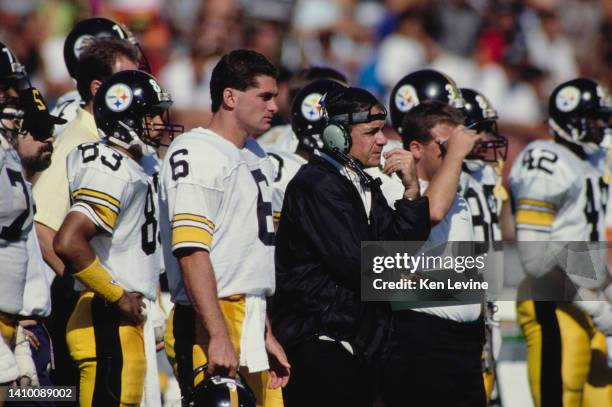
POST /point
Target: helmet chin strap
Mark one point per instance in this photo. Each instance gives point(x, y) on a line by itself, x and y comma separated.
point(135, 140)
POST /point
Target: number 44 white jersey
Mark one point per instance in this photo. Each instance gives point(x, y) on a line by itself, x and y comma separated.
point(217, 197)
point(559, 191)
point(115, 193)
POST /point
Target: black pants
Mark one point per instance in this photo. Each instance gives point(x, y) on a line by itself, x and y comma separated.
point(433, 362)
point(323, 374)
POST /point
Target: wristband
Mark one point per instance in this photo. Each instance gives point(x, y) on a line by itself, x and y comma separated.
point(96, 278)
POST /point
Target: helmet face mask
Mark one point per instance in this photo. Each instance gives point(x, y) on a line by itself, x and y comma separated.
point(482, 117)
point(494, 146)
point(13, 77)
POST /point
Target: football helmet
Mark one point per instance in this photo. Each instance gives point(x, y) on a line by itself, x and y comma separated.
point(307, 119)
point(86, 30)
point(217, 391)
point(13, 78)
point(482, 117)
point(426, 84)
point(579, 111)
point(124, 106)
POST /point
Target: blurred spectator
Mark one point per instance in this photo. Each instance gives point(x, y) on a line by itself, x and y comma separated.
point(459, 25)
point(550, 50)
point(405, 50)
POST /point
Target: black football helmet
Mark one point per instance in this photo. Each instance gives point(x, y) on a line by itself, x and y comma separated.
point(482, 117)
point(426, 84)
point(123, 105)
point(575, 107)
point(217, 391)
point(86, 30)
point(307, 119)
point(13, 79)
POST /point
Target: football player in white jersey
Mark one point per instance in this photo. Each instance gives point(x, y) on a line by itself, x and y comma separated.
point(434, 133)
point(480, 185)
point(559, 194)
point(283, 138)
point(81, 35)
point(307, 124)
point(218, 236)
point(478, 181)
point(109, 239)
point(34, 147)
point(16, 204)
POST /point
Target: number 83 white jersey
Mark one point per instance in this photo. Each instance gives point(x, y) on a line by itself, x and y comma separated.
point(116, 194)
point(216, 197)
point(559, 191)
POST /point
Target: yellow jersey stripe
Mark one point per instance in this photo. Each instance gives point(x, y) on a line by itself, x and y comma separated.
point(196, 218)
point(535, 202)
point(534, 217)
point(182, 234)
point(96, 194)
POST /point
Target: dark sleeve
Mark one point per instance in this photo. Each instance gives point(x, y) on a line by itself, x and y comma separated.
point(319, 239)
point(408, 222)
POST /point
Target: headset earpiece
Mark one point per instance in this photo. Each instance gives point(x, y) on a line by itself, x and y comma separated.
point(335, 137)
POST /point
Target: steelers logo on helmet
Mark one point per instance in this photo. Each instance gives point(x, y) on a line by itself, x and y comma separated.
point(406, 98)
point(568, 99)
point(311, 107)
point(118, 97)
point(81, 43)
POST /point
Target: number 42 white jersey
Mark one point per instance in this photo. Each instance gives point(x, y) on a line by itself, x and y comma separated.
point(555, 190)
point(116, 194)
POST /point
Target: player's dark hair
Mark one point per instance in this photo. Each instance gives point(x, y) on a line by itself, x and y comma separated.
point(97, 61)
point(238, 70)
point(418, 122)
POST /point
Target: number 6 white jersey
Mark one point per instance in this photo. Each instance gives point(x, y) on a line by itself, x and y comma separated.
point(558, 191)
point(16, 212)
point(216, 197)
point(115, 193)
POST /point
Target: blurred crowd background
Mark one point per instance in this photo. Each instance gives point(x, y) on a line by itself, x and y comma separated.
point(514, 51)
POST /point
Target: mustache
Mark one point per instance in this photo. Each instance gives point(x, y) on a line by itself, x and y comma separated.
point(47, 147)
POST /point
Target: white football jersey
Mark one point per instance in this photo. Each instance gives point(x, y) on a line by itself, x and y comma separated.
point(16, 214)
point(556, 191)
point(37, 292)
point(66, 108)
point(286, 165)
point(115, 193)
point(476, 185)
point(216, 197)
point(279, 138)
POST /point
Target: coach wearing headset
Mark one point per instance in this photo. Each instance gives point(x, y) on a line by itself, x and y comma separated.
point(330, 207)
